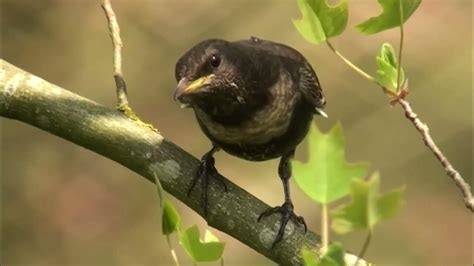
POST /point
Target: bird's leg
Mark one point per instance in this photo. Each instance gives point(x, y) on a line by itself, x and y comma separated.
point(204, 172)
point(286, 210)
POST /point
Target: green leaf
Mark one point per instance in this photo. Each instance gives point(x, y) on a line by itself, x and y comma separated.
point(210, 237)
point(326, 176)
point(387, 71)
point(201, 251)
point(334, 256)
point(170, 219)
point(390, 16)
point(309, 258)
point(321, 21)
point(367, 207)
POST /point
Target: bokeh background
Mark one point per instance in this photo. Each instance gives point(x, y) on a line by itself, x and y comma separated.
point(64, 205)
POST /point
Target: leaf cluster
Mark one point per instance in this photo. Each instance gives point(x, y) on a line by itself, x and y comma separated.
point(199, 249)
point(321, 21)
point(327, 177)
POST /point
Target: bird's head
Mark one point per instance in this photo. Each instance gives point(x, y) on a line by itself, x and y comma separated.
point(214, 76)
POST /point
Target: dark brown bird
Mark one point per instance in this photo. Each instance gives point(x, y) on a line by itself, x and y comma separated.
point(254, 99)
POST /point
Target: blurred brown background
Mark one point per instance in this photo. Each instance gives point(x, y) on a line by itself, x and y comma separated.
point(64, 205)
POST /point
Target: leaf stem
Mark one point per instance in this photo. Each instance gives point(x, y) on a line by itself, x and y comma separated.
point(349, 63)
point(399, 70)
point(160, 191)
point(324, 229)
point(364, 247)
point(173, 253)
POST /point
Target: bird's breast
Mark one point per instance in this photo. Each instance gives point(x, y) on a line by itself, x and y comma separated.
point(268, 122)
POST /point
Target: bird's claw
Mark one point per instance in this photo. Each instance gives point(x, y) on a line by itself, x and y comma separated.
point(287, 213)
point(204, 172)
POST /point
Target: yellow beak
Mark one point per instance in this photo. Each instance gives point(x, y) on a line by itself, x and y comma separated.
point(185, 87)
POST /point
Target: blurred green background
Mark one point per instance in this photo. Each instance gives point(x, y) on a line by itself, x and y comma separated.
point(64, 205)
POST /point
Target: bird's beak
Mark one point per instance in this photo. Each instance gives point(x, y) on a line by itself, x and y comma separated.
point(185, 87)
point(320, 112)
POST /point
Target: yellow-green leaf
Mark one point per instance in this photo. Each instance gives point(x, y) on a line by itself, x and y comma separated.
point(387, 72)
point(326, 176)
point(170, 219)
point(321, 21)
point(210, 249)
point(334, 256)
point(367, 207)
point(390, 16)
point(309, 257)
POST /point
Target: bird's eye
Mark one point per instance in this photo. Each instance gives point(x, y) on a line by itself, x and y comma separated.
point(215, 61)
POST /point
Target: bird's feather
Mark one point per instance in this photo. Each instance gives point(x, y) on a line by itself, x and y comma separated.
point(309, 87)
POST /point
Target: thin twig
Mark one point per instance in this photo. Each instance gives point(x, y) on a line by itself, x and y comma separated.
point(364, 247)
point(400, 49)
point(122, 100)
point(453, 173)
point(349, 63)
point(114, 30)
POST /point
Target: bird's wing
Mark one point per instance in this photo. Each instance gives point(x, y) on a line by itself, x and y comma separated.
point(309, 84)
point(311, 89)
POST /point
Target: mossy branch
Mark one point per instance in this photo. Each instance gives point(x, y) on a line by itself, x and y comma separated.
point(108, 132)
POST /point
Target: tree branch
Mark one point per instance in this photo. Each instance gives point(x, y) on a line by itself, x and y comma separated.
point(34, 101)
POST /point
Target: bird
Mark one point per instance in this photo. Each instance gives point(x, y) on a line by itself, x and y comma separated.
point(255, 99)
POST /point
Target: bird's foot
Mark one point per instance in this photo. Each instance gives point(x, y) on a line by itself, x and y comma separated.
point(204, 172)
point(287, 213)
